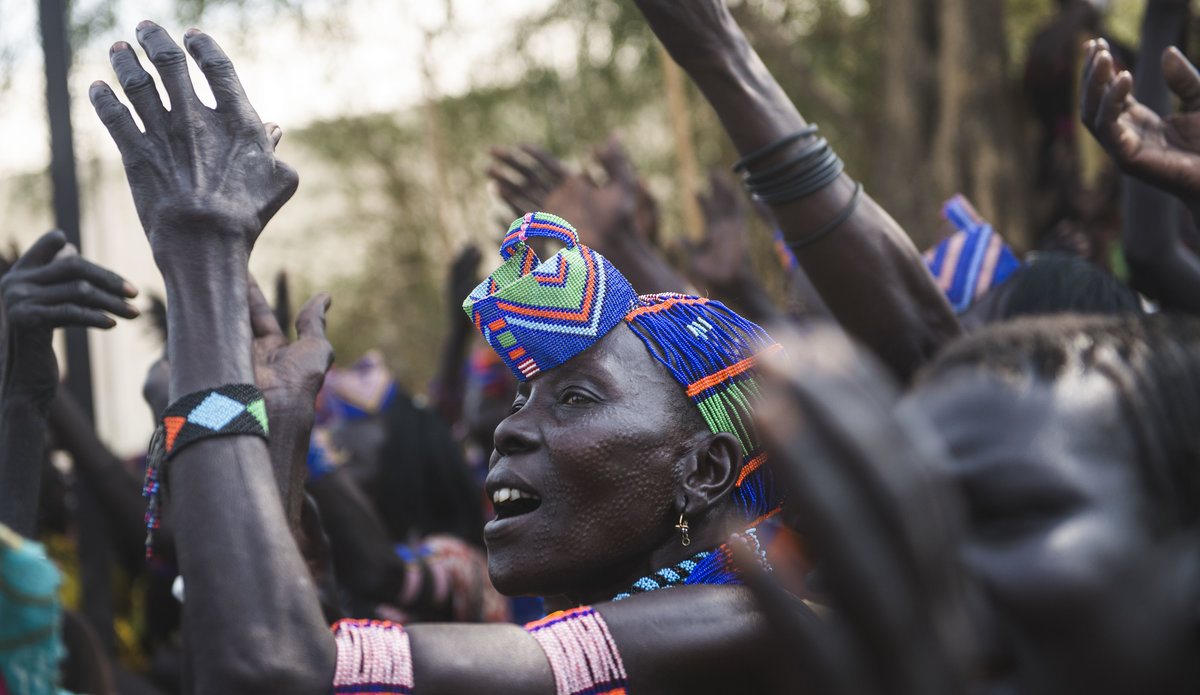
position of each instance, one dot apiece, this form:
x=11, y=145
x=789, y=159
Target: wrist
x=191, y=252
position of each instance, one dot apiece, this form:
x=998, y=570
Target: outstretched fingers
x=310, y=322
x=1182, y=78
x=74, y=268
x=218, y=70
x=1108, y=125
x=42, y=251
x=262, y=316
x=1098, y=74
x=171, y=63
x=87, y=297
x=138, y=85
x=116, y=119
x=535, y=182
x=548, y=161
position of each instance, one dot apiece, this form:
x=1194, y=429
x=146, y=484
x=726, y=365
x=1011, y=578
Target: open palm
x=1164, y=152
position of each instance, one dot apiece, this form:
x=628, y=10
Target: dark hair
x=425, y=486
x=1057, y=283
x=1154, y=362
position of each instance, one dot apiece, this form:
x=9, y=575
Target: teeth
x=507, y=494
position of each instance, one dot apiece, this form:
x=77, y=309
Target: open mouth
x=510, y=501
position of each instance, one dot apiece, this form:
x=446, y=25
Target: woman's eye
x=575, y=398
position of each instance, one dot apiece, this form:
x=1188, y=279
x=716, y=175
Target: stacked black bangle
x=831, y=224
x=805, y=173
x=768, y=150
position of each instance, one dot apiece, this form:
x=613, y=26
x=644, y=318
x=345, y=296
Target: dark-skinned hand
x=1163, y=152
x=195, y=170
x=50, y=286
x=290, y=374
x=864, y=493
x=720, y=262
x=531, y=179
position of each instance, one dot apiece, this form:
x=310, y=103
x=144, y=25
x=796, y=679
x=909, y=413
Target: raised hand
x=49, y=287
x=865, y=492
x=195, y=171
x=1164, y=152
x=605, y=214
x=289, y=376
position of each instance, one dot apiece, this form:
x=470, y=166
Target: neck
x=706, y=534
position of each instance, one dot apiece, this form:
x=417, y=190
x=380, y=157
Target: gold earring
x=683, y=529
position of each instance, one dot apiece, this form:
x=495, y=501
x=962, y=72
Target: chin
x=511, y=575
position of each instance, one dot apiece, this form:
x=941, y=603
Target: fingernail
x=191, y=32
x=129, y=289
x=133, y=310
x=97, y=83
x=118, y=46
x=144, y=24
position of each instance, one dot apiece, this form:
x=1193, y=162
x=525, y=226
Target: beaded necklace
x=705, y=567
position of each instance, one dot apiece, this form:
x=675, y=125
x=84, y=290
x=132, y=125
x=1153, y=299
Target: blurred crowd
x=948, y=470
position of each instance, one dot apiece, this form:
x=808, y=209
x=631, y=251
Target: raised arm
x=48, y=287
x=865, y=267
x=1158, y=150
x=205, y=182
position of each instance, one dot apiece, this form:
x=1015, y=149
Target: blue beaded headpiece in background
x=972, y=260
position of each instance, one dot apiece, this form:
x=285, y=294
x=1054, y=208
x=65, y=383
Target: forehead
x=1071, y=430
x=618, y=360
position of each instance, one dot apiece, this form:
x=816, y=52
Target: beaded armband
x=373, y=656
x=226, y=410
x=582, y=653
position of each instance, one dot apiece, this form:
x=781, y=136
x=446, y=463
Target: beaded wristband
x=582, y=653
x=373, y=656
x=226, y=410
x=832, y=224
x=768, y=150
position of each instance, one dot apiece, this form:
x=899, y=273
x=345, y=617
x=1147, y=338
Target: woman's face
x=1079, y=595
x=597, y=445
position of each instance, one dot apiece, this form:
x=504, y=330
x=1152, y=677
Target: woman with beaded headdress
x=626, y=463
x=628, y=460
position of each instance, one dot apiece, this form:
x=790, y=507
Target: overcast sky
x=292, y=77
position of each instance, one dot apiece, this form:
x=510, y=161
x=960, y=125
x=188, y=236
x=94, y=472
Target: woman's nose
x=516, y=433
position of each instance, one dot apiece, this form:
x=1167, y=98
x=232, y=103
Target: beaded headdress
x=972, y=260
x=537, y=315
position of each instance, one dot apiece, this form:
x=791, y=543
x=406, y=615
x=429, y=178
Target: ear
x=710, y=473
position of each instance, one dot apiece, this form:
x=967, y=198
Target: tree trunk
x=950, y=119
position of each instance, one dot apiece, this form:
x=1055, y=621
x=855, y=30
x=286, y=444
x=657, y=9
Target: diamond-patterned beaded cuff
x=226, y=410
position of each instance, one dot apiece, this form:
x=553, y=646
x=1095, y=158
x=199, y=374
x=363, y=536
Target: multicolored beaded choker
x=705, y=567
